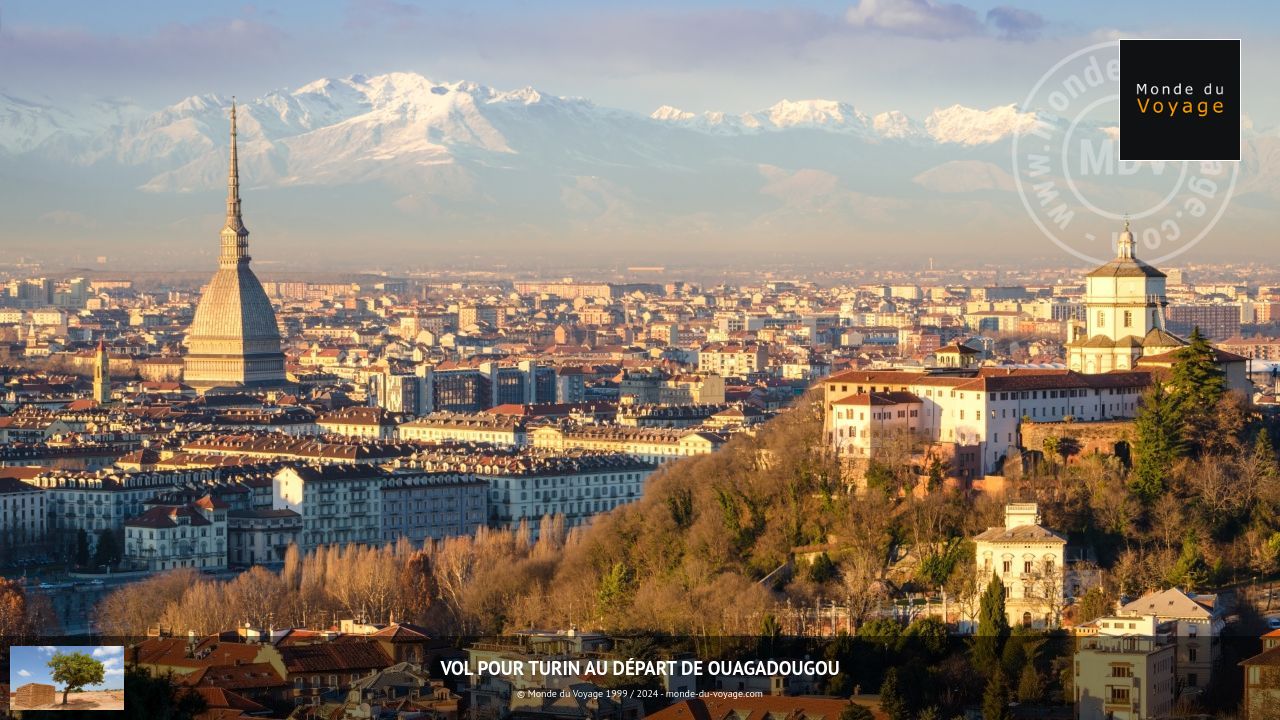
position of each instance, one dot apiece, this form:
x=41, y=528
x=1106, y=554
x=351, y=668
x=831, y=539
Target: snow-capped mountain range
x=441, y=160
x=357, y=128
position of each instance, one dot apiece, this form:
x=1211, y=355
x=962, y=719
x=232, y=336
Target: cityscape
x=495, y=476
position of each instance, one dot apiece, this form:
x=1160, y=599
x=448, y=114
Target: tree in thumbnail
x=74, y=671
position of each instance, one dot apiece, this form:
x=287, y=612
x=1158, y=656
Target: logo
x=1071, y=180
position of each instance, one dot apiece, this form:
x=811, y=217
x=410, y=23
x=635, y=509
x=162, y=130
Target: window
x=1122, y=671
x=1128, y=318
x=1026, y=567
x=1119, y=694
x=1102, y=317
x=1008, y=565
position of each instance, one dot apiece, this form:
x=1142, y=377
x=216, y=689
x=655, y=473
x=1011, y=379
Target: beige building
x=649, y=444
x=1029, y=560
x=1197, y=622
x=508, y=430
x=1125, y=671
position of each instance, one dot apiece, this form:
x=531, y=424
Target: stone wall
x=1110, y=437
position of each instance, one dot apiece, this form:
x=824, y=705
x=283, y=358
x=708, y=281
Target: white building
x=1028, y=559
x=1125, y=671
x=190, y=535
x=578, y=486
x=339, y=504
x=975, y=413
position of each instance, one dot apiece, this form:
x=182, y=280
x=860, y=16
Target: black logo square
x=1179, y=99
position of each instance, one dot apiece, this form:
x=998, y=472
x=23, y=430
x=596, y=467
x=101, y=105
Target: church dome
x=234, y=308
x=1125, y=263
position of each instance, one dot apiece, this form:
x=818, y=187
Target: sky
x=909, y=55
x=30, y=664
x=913, y=56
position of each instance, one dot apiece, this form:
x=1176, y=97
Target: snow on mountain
x=954, y=125
x=969, y=126
x=895, y=125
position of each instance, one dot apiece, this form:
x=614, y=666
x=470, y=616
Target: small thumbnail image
x=66, y=677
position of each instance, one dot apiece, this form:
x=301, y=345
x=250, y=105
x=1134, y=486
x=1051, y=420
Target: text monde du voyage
x=637, y=668
x=1179, y=99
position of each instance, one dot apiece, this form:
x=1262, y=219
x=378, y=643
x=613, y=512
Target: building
x=1217, y=321
x=578, y=486
x=1125, y=671
x=971, y=416
x=1197, y=622
x=101, y=375
x=506, y=430
x=653, y=445
x=339, y=504
x=1029, y=560
x=732, y=359
x=234, y=340
x=177, y=535
x=374, y=423
x=256, y=536
x=1124, y=314
x=427, y=506
x=23, y=516
x=1262, y=680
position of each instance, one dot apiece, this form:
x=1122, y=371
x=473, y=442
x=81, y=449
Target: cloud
x=113, y=671
x=24, y=673
x=1013, y=23
x=917, y=18
x=108, y=650
x=49, y=649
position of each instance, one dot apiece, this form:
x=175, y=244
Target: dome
x=234, y=310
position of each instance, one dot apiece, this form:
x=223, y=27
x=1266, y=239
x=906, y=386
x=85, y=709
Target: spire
x=1124, y=246
x=235, y=236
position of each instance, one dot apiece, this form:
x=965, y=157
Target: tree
x=82, y=548
x=1095, y=603
x=1190, y=571
x=1159, y=427
x=74, y=671
x=995, y=699
x=1198, y=384
x=893, y=701
x=993, y=625
x=822, y=569
x=854, y=711
x=1030, y=687
x=108, y=552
